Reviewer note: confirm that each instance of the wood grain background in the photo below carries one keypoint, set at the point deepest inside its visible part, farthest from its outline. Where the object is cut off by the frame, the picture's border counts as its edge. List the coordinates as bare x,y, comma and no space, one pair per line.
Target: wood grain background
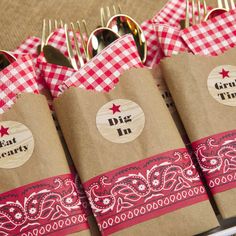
22,18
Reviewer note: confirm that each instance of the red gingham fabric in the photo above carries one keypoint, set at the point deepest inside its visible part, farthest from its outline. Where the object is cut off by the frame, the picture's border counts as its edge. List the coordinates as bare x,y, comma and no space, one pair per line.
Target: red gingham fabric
167,26
100,73
154,54
29,46
18,77
208,38
169,40
54,76
58,40
212,37
171,13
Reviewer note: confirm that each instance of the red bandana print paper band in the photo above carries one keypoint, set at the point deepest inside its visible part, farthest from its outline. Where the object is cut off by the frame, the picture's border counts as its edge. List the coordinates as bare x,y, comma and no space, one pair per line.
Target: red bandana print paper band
52,206
144,190
216,155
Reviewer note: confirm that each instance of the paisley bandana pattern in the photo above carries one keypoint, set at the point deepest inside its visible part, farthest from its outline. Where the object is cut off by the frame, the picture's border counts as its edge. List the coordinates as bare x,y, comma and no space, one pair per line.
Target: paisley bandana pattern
144,190
217,157
54,206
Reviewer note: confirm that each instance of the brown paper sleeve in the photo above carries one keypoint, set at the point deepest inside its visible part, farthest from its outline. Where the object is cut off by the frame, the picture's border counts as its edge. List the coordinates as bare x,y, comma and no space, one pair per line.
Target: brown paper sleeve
92,154
186,76
48,158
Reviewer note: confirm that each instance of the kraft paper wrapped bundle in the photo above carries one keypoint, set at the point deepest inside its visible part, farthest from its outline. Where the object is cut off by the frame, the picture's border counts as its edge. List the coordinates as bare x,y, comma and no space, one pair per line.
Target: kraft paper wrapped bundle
121,54
39,195
32,189
203,89
132,161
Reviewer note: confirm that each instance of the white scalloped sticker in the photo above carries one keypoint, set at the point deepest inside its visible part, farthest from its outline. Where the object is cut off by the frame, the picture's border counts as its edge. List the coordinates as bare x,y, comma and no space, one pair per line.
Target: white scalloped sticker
120,121
16,144
222,84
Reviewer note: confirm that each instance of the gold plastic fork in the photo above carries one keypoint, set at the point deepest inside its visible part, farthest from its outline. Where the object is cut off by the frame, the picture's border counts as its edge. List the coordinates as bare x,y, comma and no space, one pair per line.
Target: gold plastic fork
47,30
73,53
195,19
84,35
105,13
226,4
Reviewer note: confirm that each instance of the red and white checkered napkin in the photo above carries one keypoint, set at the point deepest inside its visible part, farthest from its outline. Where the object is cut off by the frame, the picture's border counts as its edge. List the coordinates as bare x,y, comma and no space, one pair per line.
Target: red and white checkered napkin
29,46
54,76
101,73
154,53
58,40
208,38
167,27
212,37
18,77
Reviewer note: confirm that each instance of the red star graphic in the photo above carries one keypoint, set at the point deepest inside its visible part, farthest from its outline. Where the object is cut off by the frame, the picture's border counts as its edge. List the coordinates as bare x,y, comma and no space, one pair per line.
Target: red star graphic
3,131
224,73
115,108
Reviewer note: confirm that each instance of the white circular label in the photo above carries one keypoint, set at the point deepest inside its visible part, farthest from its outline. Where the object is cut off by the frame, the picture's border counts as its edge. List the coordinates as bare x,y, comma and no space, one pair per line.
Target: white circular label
222,84
16,144
120,121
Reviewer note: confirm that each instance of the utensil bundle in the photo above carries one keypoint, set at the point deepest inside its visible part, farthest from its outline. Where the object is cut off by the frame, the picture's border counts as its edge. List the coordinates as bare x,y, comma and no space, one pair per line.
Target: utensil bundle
135,170
82,46
203,14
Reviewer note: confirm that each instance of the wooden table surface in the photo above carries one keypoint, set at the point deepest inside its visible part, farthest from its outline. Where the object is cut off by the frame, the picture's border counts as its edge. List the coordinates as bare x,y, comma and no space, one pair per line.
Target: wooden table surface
22,18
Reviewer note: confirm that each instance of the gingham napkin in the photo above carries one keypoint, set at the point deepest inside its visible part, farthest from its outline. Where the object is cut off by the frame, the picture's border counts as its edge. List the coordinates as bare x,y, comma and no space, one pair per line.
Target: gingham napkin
19,77
167,27
101,73
212,37
58,40
29,46
208,38
154,52
54,74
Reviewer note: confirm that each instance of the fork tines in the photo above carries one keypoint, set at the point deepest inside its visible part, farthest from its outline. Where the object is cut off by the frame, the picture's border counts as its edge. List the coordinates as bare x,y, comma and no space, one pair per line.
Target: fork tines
70,49
78,43
232,4
83,40
200,16
106,14
47,29
225,4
